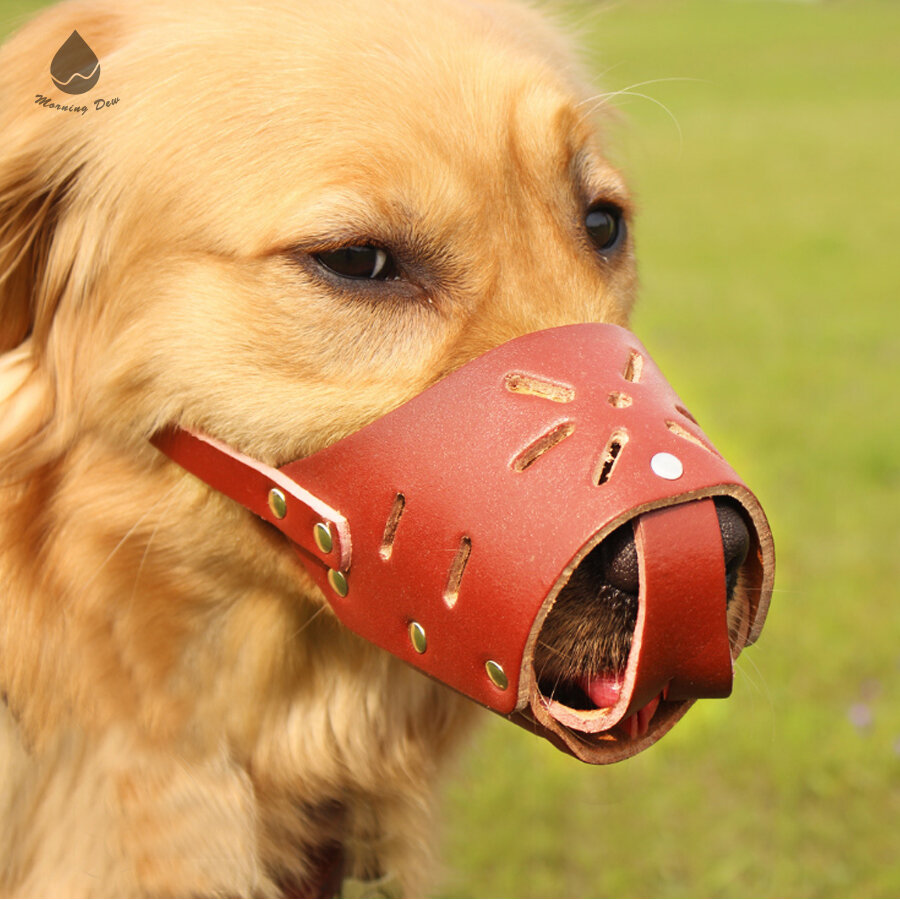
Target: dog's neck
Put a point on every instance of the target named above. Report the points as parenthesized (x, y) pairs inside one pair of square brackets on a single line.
[(142, 574)]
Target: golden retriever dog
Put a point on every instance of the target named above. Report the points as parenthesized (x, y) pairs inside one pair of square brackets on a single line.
[(271, 222)]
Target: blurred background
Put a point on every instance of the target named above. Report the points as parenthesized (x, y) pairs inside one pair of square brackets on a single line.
[(761, 138)]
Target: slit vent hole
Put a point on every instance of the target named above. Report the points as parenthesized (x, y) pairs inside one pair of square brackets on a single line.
[(683, 433), (546, 442), (686, 414), (390, 528), (633, 367), (517, 383), (451, 594), (611, 455)]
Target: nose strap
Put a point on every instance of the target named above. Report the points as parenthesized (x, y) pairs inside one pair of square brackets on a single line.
[(680, 644), (680, 647)]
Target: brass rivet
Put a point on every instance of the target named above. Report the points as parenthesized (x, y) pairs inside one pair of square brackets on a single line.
[(277, 503), (496, 674), (338, 582), (322, 537), (417, 636)]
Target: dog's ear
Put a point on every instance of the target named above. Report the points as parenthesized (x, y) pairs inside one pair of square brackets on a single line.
[(29, 210), (40, 156), (30, 205), (38, 164)]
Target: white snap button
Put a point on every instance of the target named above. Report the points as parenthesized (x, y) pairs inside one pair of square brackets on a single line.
[(667, 466)]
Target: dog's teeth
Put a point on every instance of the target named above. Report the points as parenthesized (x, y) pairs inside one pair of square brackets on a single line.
[(638, 724), (645, 715), (630, 726)]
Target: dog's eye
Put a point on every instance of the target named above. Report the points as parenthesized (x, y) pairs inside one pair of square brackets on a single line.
[(604, 226), (365, 262)]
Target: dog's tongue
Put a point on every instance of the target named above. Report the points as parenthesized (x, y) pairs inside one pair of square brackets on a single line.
[(604, 691)]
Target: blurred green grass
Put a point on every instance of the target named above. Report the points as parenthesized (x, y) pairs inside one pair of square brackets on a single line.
[(766, 234)]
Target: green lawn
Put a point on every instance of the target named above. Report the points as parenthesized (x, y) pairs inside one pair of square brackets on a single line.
[(771, 287)]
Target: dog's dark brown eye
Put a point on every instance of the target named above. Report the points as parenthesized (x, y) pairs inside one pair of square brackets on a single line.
[(605, 226), (365, 262)]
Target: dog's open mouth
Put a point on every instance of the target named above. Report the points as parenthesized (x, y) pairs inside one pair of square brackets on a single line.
[(583, 648), (603, 692)]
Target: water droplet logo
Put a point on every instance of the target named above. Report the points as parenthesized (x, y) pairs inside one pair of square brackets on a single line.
[(75, 69)]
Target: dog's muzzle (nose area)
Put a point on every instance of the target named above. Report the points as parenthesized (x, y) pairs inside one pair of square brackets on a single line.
[(447, 531), (583, 646)]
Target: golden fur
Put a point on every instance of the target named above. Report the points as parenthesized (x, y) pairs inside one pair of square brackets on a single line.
[(183, 714)]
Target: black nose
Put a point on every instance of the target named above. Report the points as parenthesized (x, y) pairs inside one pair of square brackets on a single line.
[(619, 556), (735, 540)]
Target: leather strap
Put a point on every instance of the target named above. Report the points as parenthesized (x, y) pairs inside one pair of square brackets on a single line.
[(680, 646), (250, 483), (681, 641)]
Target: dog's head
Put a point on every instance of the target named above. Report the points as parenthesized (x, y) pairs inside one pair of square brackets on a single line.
[(294, 214), (278, 227)]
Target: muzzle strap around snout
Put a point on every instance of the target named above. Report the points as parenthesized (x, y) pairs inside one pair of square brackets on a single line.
[(681, 645), (445, 530), (311, 525)]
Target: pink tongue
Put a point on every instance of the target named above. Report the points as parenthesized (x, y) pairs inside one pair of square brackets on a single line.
[(604, 691)]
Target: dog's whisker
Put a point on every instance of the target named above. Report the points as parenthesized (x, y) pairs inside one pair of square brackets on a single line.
[(128, 534), (137, 576), (744, 662), (610, 95), (659, 103), (760, 686), (306, 624), (551, 649)]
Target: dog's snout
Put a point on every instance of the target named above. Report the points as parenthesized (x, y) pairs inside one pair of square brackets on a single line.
[(619, 554), (620, 561), (735, 541), (588, 634)]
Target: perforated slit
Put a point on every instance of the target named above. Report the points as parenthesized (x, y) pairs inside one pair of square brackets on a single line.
[(517, 383), (611, 456), (633, 367), (686, 414), (451, 594), (683, 433), (390, 528), (542, 445)]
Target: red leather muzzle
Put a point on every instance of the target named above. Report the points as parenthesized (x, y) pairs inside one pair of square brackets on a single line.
[(444, 531)]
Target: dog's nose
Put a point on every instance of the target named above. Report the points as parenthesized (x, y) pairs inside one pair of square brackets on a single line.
[(735, 541), (620, 561)]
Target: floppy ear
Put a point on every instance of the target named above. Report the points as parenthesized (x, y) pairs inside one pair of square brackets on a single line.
[(30, 206), (37, 172), (37, 167), (28, 211), (43, 154)]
